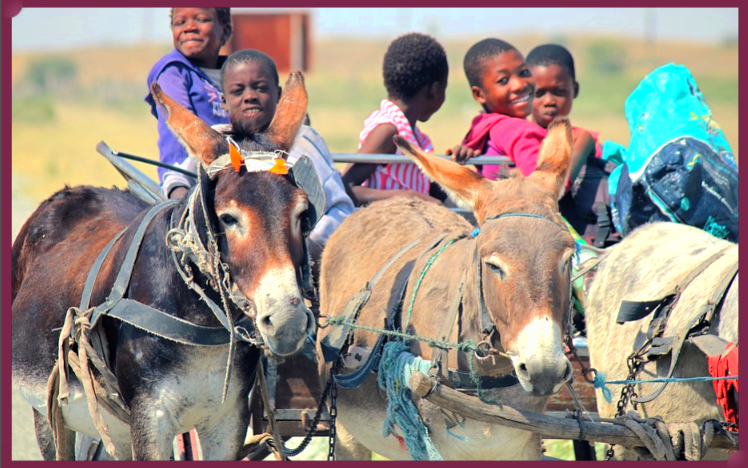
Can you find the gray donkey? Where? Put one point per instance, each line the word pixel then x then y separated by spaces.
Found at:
pixel 647 265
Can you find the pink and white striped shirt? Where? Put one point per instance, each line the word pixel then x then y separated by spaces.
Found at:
pixel 400 176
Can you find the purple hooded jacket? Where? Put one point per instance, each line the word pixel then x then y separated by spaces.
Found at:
pixel 187 84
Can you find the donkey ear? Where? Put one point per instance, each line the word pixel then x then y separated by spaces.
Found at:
pixel 461 184
pixel 290 113
pixel 554 159
pixel 202 142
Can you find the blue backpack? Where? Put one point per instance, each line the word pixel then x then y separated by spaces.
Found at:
pixel 678 166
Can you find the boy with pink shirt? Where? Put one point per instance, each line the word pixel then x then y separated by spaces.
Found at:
pixel 502 84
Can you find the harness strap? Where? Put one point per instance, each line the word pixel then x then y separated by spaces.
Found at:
pixel 445 331
pixel 334 341
pixel 463 381
pixel 357 377
pixel 125 272
pixel 94 272
pixel 700 324
pixel 172 328
pixel 635 310
pixel 486 324
pixel 97 338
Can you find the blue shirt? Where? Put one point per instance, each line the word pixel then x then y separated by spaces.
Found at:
pixel 188 85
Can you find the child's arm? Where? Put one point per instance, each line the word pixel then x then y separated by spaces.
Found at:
pixel 171 151
pixel 379 141
pixel 582 148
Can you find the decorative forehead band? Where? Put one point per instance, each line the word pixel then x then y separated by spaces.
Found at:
pixel 253 161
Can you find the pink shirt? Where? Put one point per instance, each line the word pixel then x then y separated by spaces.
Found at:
pixel 497 134
pixel 397 176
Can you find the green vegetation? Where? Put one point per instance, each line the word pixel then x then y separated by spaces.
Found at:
pixel 34 110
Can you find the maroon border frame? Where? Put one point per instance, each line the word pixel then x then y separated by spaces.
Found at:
pixel 6 154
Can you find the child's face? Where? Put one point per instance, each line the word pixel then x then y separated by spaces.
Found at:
pixel 508 85
pixel 555 91
pixel 250 95
pixel 198 35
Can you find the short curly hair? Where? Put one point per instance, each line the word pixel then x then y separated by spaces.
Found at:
pixel 477 55
pixel 552 54
pixel 223 15
pixel 412 61
pixel 253 56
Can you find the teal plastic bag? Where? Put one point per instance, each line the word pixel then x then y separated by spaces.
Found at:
pixel 679 166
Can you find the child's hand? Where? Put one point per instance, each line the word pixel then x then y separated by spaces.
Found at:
pixel 460 154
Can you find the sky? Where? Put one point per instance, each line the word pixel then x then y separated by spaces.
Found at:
pixel 64 28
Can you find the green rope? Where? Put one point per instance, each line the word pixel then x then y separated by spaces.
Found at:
pixel 479 389
pixel 420 278
pixel 468 345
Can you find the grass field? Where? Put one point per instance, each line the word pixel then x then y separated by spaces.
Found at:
pixel 57 124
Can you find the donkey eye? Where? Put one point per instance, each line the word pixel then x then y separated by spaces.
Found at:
pixel 496 270
pixel 228 220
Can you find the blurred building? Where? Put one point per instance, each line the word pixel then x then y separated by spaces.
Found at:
pixel 285 36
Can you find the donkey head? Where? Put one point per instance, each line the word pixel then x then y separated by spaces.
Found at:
pixel 257 217
pixel 524 250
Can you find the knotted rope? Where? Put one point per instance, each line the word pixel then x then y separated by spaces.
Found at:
pixel 395 368
pixel 103 390
pixel 669 441
pixel 185 238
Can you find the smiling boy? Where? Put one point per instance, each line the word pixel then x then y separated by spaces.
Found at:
pixel 191 75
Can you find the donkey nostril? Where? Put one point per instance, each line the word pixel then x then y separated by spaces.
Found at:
pixel 294 301
pixel 523 367
pixel 266 322
pixel 569 372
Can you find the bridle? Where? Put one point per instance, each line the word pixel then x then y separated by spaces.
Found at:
pixel 487 326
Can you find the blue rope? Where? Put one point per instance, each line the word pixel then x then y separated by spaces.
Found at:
pixel 601 383
pixel 395 368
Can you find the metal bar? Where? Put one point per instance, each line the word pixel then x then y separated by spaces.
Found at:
pixel 154 163
pixel 399 158
pixel 131 174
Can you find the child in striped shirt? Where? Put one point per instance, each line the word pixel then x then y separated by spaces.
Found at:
pixel 415 75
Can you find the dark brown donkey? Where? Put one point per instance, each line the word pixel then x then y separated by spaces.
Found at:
pixel 517 266
pixel 233 262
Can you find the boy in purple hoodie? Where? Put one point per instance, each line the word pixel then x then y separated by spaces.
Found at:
pixel 191 75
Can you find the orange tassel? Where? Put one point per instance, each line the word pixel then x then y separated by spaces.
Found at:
pixel 279 167
pixel 236 157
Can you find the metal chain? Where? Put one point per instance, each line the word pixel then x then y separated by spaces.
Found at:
pixel 572 354
pixel 634 363
pixel 333 417
pixel 312 428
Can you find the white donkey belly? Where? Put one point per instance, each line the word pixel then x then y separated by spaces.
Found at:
pixel 76 414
